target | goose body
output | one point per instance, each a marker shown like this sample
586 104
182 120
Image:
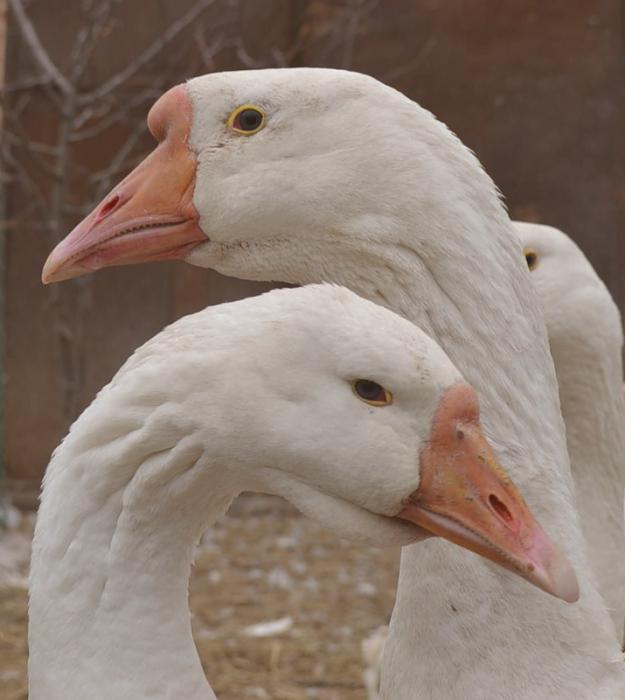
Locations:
241 396
349 181
586 340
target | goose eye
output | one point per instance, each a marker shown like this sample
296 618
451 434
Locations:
247 120
531 256
372 393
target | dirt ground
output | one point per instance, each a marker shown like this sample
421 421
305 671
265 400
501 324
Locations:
262 563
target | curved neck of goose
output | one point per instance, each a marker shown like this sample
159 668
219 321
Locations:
594 412
590 377
109 614
459 274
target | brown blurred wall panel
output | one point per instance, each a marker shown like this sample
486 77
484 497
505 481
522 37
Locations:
536 89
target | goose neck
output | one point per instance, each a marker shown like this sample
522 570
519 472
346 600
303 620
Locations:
113 548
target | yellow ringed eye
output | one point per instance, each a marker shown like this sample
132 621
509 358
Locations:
247 119
531 257
371 392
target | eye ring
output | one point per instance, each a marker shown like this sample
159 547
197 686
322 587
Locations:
247 120
531 257
371 392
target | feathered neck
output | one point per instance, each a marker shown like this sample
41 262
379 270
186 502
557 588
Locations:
120 515
590 377
449 261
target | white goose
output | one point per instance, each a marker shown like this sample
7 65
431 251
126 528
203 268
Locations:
586 340
585 337
306 175
237 397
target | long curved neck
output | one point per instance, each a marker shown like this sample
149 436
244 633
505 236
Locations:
593 404
590 376
487 626
113 546
460 628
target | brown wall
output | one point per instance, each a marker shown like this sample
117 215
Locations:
536 89
3 18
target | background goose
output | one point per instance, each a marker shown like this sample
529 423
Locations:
304 175
586 340
264 395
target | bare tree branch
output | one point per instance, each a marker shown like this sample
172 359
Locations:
41 55
104 178
355 14
20 171
98 16
31 151
411 65
112 117
153 50
24 84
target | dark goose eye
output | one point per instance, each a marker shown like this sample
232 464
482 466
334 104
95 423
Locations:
371 392
531 257
247 120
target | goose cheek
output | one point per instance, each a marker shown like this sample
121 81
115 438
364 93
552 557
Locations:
149 215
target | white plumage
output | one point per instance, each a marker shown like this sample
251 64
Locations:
586 340
351 182
585 337
237 397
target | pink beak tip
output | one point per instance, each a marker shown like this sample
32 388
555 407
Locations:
47 272
563 581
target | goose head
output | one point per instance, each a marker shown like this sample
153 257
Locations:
579 310
281 174
347 410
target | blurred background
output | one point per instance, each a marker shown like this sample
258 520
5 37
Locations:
536 89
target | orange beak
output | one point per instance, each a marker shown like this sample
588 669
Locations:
150 214
467 498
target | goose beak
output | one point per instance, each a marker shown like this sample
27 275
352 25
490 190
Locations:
150 214
466 497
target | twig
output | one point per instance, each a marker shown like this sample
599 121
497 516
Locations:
111 118
17 168
35 45
146 56
30 149
413 64
104 177
24 84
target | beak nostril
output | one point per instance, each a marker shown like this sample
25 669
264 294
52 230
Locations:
109 206
500 508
